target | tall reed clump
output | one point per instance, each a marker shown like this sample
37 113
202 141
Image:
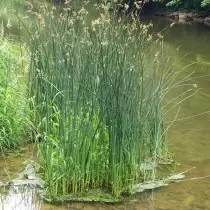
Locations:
96 101
12 102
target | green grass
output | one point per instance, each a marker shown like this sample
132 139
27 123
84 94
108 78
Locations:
12 91
96 96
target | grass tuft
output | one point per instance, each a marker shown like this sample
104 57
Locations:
96 96
12 92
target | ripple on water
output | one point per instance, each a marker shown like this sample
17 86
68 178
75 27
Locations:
19 198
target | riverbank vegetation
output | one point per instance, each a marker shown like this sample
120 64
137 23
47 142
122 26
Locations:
188 4
149 6
12 95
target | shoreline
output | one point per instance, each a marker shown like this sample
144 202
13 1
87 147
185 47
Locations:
184 17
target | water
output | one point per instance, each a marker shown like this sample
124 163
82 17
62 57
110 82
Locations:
23 198
189 139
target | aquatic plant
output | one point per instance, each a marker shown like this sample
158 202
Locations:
96 96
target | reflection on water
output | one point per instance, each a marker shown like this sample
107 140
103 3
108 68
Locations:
19 198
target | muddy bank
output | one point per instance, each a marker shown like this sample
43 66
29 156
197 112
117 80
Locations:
185 17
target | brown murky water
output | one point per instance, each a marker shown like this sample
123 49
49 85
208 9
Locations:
189 139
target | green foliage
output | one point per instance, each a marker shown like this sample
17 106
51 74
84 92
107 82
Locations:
11 101
97 101
173 3
188 4
205 3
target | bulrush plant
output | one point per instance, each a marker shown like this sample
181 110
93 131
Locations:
96 102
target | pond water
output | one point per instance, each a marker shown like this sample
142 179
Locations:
188 139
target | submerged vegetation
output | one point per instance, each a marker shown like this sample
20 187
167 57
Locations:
96 95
